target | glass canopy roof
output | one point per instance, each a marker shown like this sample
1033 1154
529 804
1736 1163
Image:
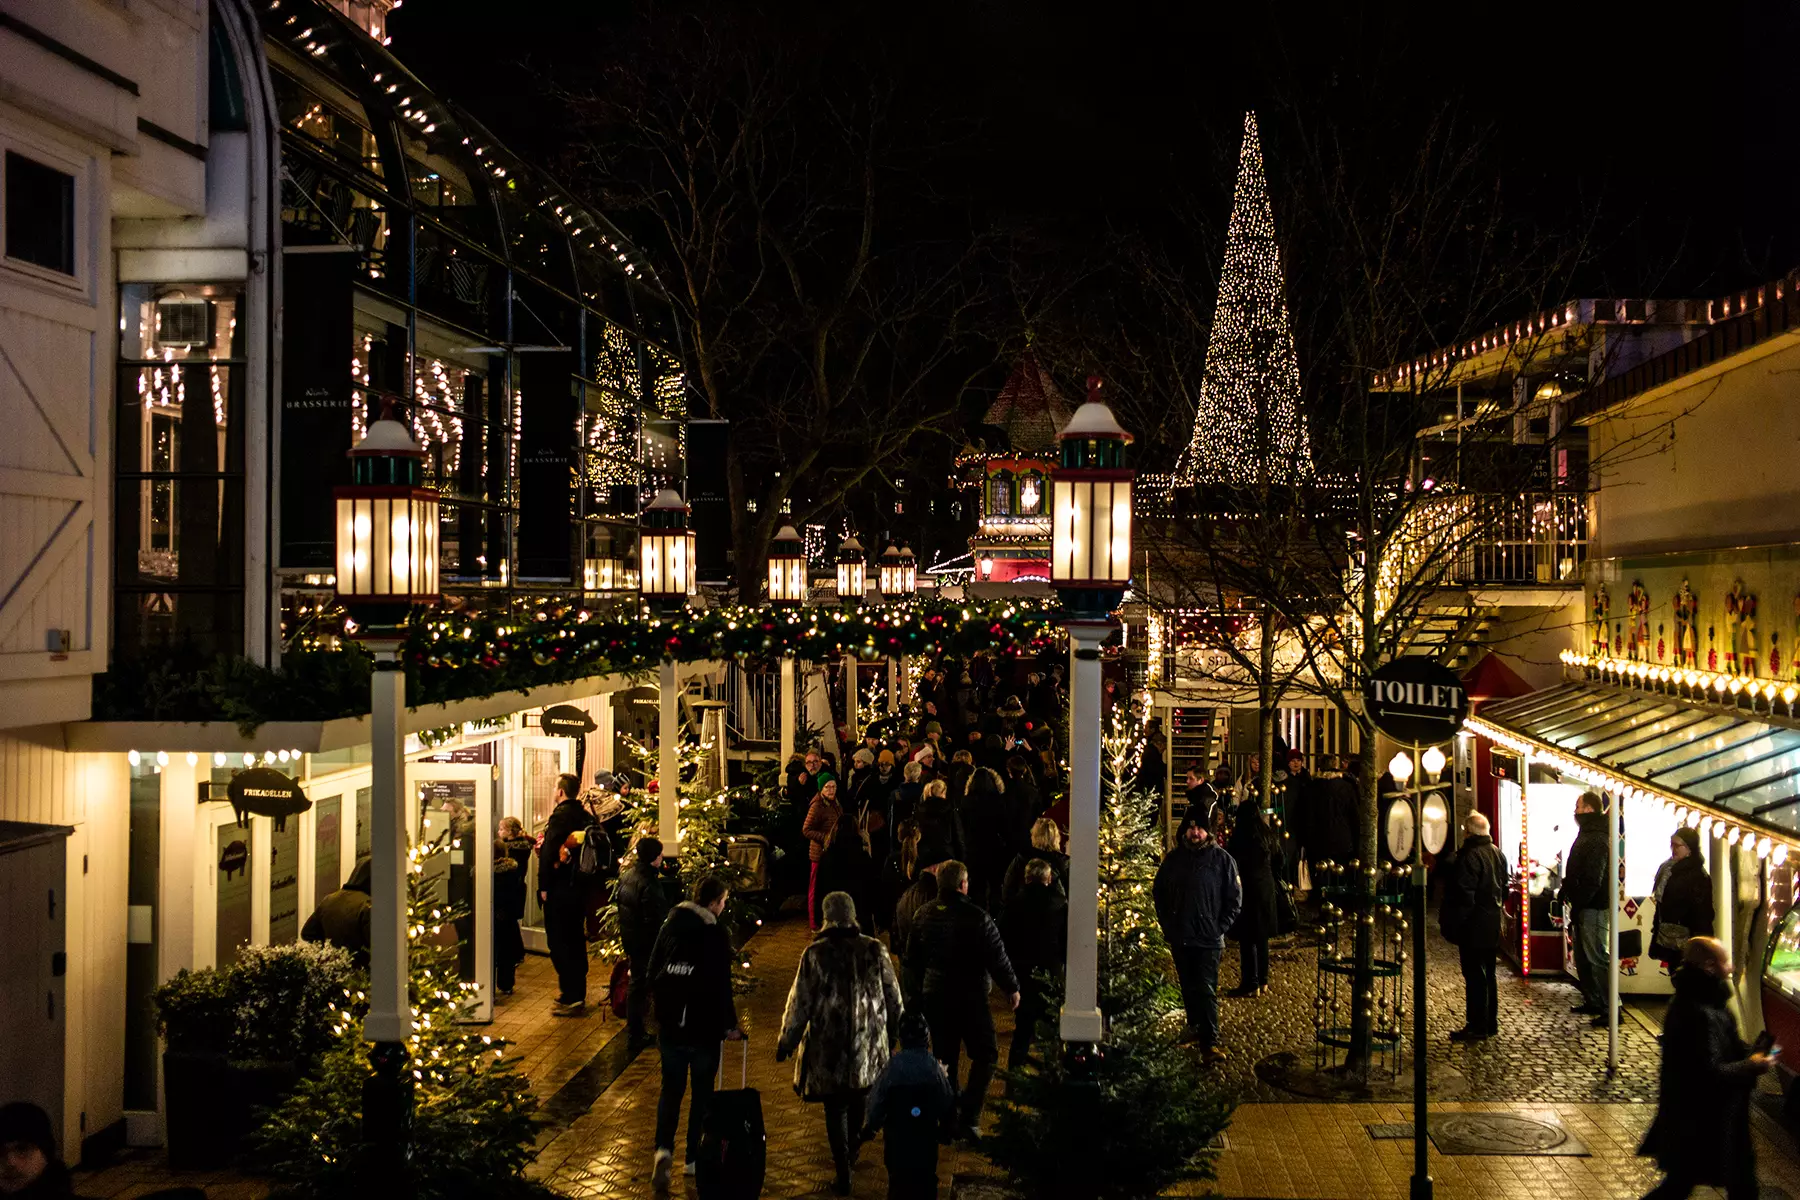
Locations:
1729 759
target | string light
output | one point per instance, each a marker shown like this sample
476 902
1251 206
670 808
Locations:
1248 428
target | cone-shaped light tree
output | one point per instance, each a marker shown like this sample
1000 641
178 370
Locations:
1248 429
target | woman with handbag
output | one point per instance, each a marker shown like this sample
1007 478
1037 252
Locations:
1684 898
841 1012
1252 846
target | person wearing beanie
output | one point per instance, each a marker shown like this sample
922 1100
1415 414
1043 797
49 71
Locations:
30 1168
643 903
909 1103
820 823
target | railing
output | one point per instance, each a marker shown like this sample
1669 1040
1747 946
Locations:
755 703
1532 538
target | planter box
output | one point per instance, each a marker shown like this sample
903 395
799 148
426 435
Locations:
211 1105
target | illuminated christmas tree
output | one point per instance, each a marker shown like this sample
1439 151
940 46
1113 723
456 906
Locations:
1248 429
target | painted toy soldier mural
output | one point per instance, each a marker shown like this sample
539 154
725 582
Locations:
1687 642
1639 607
1598 612
1740 629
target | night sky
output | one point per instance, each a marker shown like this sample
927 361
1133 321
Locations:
1669 127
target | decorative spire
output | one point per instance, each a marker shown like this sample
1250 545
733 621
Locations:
1248 429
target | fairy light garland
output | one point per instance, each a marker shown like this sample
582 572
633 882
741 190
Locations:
1248 427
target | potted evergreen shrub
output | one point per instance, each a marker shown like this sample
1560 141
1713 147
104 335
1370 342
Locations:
238 1040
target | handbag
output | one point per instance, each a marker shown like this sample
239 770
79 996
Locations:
1670 937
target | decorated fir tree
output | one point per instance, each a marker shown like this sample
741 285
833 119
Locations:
1248 430
472 1129
704 818
1139 1112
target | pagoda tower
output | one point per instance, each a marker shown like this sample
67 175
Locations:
1012 534
1248 429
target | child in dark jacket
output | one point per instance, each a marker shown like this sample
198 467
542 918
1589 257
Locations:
911 1101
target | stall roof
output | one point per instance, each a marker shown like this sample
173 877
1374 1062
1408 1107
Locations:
1725 759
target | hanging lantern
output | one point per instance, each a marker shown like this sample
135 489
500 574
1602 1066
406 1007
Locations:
666 552
787 567
1090 532
387 531
607 574
852 572
897 573
909 571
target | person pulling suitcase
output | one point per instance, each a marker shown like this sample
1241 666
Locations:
690 974
734 1151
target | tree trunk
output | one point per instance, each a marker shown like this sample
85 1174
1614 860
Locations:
1266 697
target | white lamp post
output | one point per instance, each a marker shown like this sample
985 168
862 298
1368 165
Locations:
666 570
1090 566
787 589
387 551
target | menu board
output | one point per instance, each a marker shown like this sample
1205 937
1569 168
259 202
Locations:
232 850
327 847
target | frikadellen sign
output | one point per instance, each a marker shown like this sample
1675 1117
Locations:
1414 700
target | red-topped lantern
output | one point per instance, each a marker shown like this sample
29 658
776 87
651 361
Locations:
787 568
1090 534
387 531
665 553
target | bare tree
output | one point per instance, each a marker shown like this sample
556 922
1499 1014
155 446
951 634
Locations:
771 175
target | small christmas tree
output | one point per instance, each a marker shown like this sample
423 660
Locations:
1248 429
472 1130
1137 1113
704 817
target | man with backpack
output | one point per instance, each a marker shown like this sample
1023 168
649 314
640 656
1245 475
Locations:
643 903
690 975
571 861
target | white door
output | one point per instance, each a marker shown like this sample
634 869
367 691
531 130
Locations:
33 897
534 763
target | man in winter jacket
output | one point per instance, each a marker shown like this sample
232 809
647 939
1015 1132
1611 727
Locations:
1471 918
1584 891
690 974
910 1101
1198 896
342 918
957 950
1035 928
923 891
563 892
643 904
1701 1134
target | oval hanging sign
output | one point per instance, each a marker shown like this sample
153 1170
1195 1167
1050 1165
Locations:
1416 701
265 792
565 720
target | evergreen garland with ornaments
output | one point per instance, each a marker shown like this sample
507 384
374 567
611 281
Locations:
1126 1119
451 655
472 1128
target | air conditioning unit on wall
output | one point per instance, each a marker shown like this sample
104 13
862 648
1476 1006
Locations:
183 324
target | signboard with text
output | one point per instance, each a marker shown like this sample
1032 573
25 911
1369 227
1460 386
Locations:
1416 701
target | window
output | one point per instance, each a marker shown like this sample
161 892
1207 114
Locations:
40 214
1000 496
178 531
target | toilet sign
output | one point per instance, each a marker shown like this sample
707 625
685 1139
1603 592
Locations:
1416 701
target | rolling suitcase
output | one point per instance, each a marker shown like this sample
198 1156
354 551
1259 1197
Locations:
733 1147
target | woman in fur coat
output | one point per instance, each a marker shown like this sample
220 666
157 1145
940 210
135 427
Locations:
841 1012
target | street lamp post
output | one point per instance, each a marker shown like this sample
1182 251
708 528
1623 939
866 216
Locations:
1090 566
852 579
387 544
1430 824
787 589
666 563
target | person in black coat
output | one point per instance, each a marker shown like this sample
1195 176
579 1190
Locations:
1701 1134
1197 896
1473 893
957 949
563 892
1251 846
1584 891
643 903
512 856
1036 932
1684 898
1046 843
848 867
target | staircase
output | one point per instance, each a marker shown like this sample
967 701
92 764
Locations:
1450 635
1196 735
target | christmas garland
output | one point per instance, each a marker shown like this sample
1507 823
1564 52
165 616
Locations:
451 655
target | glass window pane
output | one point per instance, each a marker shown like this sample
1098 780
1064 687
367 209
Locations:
1685 751
1702 778
334 126
1673 746
40 214
1561 716
1633 730
1597 720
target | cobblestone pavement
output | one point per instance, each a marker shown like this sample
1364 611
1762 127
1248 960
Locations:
1544 1052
